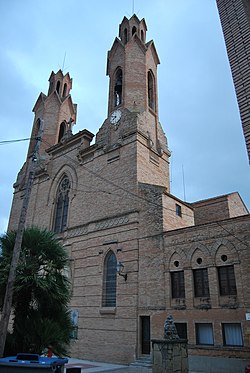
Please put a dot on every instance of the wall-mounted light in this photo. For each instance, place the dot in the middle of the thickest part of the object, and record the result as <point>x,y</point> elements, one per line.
<point>120,269</point>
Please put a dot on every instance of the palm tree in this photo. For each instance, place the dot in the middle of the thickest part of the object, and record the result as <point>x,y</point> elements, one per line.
<point>41,316</point>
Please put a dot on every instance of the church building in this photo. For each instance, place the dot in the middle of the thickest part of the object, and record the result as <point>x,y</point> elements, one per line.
<point>138,253</point>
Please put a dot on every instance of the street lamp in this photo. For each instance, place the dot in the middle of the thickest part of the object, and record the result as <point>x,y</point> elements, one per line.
<point>120,269</point>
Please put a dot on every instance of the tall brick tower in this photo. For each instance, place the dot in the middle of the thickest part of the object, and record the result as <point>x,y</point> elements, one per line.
<point>56,110</point>
<point>235,21</point>
<point>133,102</point>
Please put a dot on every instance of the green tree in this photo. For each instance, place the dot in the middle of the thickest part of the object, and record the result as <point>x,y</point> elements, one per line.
<point>41,316</point>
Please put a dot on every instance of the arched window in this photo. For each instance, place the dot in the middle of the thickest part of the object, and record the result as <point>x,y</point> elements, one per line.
<point>62,205</point>
<point>125,36</point>
<point>62,131</point>
<point>58,87</point>
<point>142,36</point>
<point>151,90</point>
<point>64,90</point>
<point>134,29</point>
<point>109,281</point>
<point>118,87</point>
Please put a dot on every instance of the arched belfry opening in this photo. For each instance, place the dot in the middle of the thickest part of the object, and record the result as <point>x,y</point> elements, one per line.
<point>134,30</point>
<point>58,86</point>
<point>62,131</point>
<point>65,90</point>
<point>125,35</point>
<point>142,36</point>
<point>151,90</point>
<point>118,87</point>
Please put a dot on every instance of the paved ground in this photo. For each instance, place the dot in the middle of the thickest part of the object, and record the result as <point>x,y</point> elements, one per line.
<point>131,370</point>
<point>92,367</point>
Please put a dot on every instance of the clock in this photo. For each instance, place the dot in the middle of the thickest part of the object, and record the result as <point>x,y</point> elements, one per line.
<point>115,116</point>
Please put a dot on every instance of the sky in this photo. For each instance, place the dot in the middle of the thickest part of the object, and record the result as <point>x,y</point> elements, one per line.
<point>197,103</point>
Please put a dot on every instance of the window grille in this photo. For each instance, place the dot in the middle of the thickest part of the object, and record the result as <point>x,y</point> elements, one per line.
<point>201,286</point>
<point>109,285</point>
<point>227,282</point>
<point>178,285</point>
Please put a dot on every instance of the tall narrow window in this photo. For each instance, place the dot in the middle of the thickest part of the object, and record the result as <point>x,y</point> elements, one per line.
<point>178,210</point>
<point>62,131</point>
<point>142,36</point>
<point>125,36</point>
<point>62,205</point>
<point>151,90</point>
<point>227,282</point>
<point>201,287</point>
<point>58,87</point>
<point>134,29</point>
<point>109,284</point>
<point>178,285</point>
<point>64,90</point>
<point>118,87</point>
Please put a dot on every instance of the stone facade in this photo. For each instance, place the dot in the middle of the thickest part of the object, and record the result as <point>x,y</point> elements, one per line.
<point>235,21</point>
<point>111,199</point>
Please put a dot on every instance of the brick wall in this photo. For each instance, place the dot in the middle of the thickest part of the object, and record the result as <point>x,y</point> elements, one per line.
<point>235,21</point>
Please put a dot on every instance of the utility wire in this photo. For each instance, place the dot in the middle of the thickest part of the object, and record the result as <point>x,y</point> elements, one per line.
<point>96,174</point>
<point>5,142</point>
<point>136,195</point>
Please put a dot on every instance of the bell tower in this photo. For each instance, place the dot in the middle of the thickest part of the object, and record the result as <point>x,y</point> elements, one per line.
<point>132,69</point>
<point>55,113</point>
<point>133,103</point>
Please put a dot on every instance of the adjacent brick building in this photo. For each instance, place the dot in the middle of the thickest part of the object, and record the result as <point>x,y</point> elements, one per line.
<point>235,21</point>
<point>137,252</point>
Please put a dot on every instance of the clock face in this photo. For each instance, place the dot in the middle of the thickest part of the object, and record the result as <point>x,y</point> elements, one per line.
<point>115,116</point>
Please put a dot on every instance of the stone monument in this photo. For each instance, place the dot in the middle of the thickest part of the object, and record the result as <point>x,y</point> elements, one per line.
<point>170,354</point>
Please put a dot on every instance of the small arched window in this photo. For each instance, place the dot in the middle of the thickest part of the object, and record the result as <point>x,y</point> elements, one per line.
<point>58,87</point>
<point>142,36</point>
<point>62,205</point>
<point>64,90</point>
<point>151,90</point>
<point>62,131</point>
<point>109,281</point>
<point>125,36</point>
<point>134,29</point>
<point>118,88</point>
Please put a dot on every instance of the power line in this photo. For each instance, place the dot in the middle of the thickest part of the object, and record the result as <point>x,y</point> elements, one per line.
<point>5,142</point>
<point>96,174</point>
<point>136,195</point>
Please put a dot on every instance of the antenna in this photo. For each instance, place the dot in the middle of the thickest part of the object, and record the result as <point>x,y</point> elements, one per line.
<point>63,61</point>
<point>183,181</point>
<point>133,7</point>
